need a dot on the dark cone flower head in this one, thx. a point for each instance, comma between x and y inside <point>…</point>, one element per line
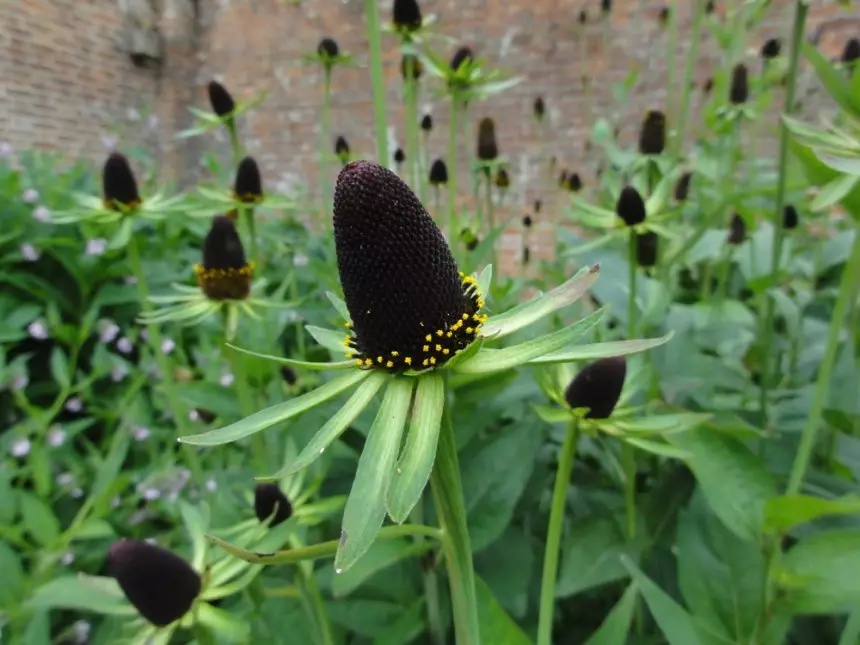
<point>606,6</point>
<point>527,221</point>
<point>438,173</point>
<point>399,156</point>
<point>289,375</point>
<point>652,137</point>
<point>328,48</point>
<point>737,230</point>
<point>161,585</point>
<point>503,180</point>
<point>663,16</point>
<point>851,52</point>
<point>410,307</point>
<point>221,100</point>
<point>598,387</point>
<point>630,206</point>
<point>740,91</point>
<point>248,187</point>
<point>427,123</point>
<point>406,15</point>
<point>269,500</point>
<point>341,149</point>
<point>646,249</point>
<point>682,188</point>
<point>118,184</point>
<point>710,7</point>
<point>224,274</point>
<point>461,56</point>
<point>539,108</point>
<point>583,17</point>
<point>416,70</point>
<point>790,218</point>
<point>771,49</point>
<point>574,183</point>
<point>488,149</point>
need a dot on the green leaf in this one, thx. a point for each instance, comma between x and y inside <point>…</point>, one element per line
<point>736,483</point>
<point>834,82</point>
<point>381,555</point>
<point>81,593</point>
<point>496,626</point>
<point>229,627</point>
<point>419,452</point>
<point>328,338</point>
<point>276,413</point>
<point>661,424</point>
<point>592,556</point>
<point>60,367</point>
<point>849,165</point>
<point>195,525</point>
<point>339,305</point>
<point>834,192</point>
<point>38,519</point>
<point>595,351</point>
<point>785,512</point>
<point>308,365</point>
<point>365,507</point>
<point>109,469</point>
<point>614,630</point>
<point>13,576</point>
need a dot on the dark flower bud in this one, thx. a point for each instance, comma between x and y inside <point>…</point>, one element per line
<point>270,501</point>
<point>221,100</point>
<point>472,243</point>
<point>427,123</point>
<point>527,221</point>
<point>503,181</point>
<point>851,52</point>
<point>399,156</point>
<point>537,205</point>
<point>461,56</point>
<point>740,91</point>
<point>410,307</point>
<point>606,6</point>
<point>248,186</point>
<point>630,206</point>
<point>682,188</point>
<point>646,249</point>
<point>438,173</point>
<point>328,48</point>
<point>737,230</point>
<point>663,16</point>
<point>341,149</point>
<point>118,183</point>
<point>583,17</point>
<point>161,585</point>
<point>488,149</point>
<point>288,375</point>
<point>771,48</point>
<point>412,63</point>
<point>598,387</point>
<point>708,86</point>
<point>539,108</point>
<point>574,183</point>
<point>562,179</point>
<point>225,274</point>
<point>710,7</point>
<point>406,15</point>
<point>527,255</point>
<point>652,136</point>
<point>790,218</point>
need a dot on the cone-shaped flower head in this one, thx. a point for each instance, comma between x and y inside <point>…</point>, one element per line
<point>740,91</point>
<point>790,218</point>
<point>341,149</point>
<point>527,221</point>
<point>328,48</point>
<point>406,15</point>
<point>224,274</point>
<point>118,184</point>
<point>598,387</point>
<point>411,64</point>
<point>427,123</point>
<point>630,206</point>
<point>503,180</point>
<point>771,48</point>
<point>438,173</point>
<point>652,136</point>
<point>606,6</point>
<point>410,307</point>
<point>851,51</point>
<point>161,585</point>
<point>461,56</point>
<point>737,230</point>
<point>248,186</point>
<point>663,16</point>
<point>710,7</point>
<point>574,182</point>
<point>399,156</point>
<point>488,149</point>
<point>289,375</point>
<point>269,500</point>
<point>646,249</point>
<point>682,188</point>
<point>221,100</point>
<point>583,17</point>
<point>539,108</point>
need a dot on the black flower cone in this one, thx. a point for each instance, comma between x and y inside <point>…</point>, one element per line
<point>710,7</point>
<point>503,180</point>
<point>406,15</point>
<point>527,221</point>
<point>224,274</point>
<point>539,108</point>
<point>399,156</point>
<point>598,387</point>
<point>248,186</point>
<point>574,182</point>
<point>410,306</point>
<point>646,249</point>
<point>427,123</point>
<point>268,500</point>
<point>652,136</point>
<point>341,149</point>
<point>771,49</point>
<point>583,17</point>
<point>663,16</point>
<point>438,173</point>
<point>118,184</point>
<point>416,68</point>
<point>851,52</point>
<point>461,57</point>
<point>606,6</point>
<point>630,206</point>
<point>737,230</point>
<point>289,375</point>
<point>682,188</point>
<point>220,99</point>
<point>488,149</point>
<point>161,585</point>
<point>328,48</point>
<point>740,91</point>
<point>790,218</point>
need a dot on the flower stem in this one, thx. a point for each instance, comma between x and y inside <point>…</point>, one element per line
<point>325,142</point>
<point>801,8</point>
<point>447,489</point>
<point>452,171</point>
<point>825,370</point>
<point>631,282</point>
<point>686,93</point>
<point>431,585</point>
<point>411,92</point>
<point>374,37</point>
<point>491,220</point>
<point>554,530</point>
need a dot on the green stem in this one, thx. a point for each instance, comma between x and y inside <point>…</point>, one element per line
<point>491,220</point>
<point>628,464</point>
<point>800,11</point>
<point>631,283</point>
<point>325,142</point>
<point>452,172</point>
<point>825,370</point>
<point>553,537</point>
<point>431,585</point>
<point>851,633</point>
<point>377,78</point>
<point>725,273</point>
<point>411,92</point>
<point>300,328</point>
<point>447,489</point>
<point>689,69</point>
<point>671,62</point>
<point>235,145</point>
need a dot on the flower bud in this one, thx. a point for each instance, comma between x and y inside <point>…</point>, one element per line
<point>630,206</point>
<point>598,387</point>
<point>269,500</point>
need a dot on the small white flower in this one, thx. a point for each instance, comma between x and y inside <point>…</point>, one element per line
<point>140,433</point>
<point>144,334</point>
<point>64,479</point>
<point>56,436</point>
<point>124,345</point>
<point>131,280</point>
<point>82,631</point>
<point>96,246</point>
<point>152,122</point>
<point>77,493</point>
<point>108,331</point>
<point>67,558</point>
<point>30,252</point>
<point>20,382</point>
<point>21,447</point>
<point>118,373</point>
<point>38,330</point>
<point>194,415</point>
<point>300,260</point>
<point>108,141</point>
<point>6,150</point>
<point>41,214</point>
<point>151,494</point>
<point>167,345</point>
<point>74,404</point>
<point>226,380</point>
<point>30,196</point>
<point>133,114</point>
<point>211,485</point>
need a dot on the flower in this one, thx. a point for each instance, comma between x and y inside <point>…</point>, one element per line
<point>461,57</point>
<point>682,188</point>
<point>119,187</point>
<point>248,186</point>
<point>118,373</point>
<point>663,16</point>
<point>399,156</point>
<point>29,252</point>
<point>502,181</point>
<point>411,67</point>
<point>161,585</point>
<point>652,136</point>
<point>226,379</point>
<point>328,48</point>
<point>30,196</point>
<point>406,15</point>
<point>38,330</point>
<point>851,52</point>
<point>438,173</point>
<point>739,91</point>
<point>108,331</point>
<point>427,123</point>
<point>220,99</point>
<point>527,254</point>
<point>67,558</point>
<point>606,6</point>
<point>737,230</point>
<point>124,345</point>
<point>527,221</point>
<point>630,206</point>
<point>771,48</point>
<point>224,274</point>
<point>21,447</point>
<point>41,214</point>
<point>56,436</point>
<point>74,404</point>
<point>790,218</point>
<point>537,206</point>
<point>539,108</point>
<point>341,149</point>
<point>597,387</point>
<point>573,183</point>
<point>646,248</point>
<point>140,433</point>
<point>583,17</point>
<point>270,502</point>
<point>96,246</point>
<point>488,149</point>
<point>168,345</point>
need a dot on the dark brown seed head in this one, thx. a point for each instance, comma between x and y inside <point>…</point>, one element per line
<point>118,184</point>
<point>399,156</point>
<point>472,243</point>
<point>539,108</point>
<point>663,16</point>
<point>851,52</point>
<point>488,149</point>
<point>740,91</point>
<point>224,274</point>
<point>737,230</point>
<point>161,585</point>
<point>682,188</point>
<point>461,56</point>
<point>248,186</point>
<point>574,182</point>
<point>427,123</point>
<point>583,17</point>
<point>652,136</point>
<point>790,218</point>
<point>646,249</point>
<point>288,375</point>
<point>410,306</point>
<point>527,221</point>
<point>606,6</point>
<point>598,387</point>
<point>771,48</point>
<point>270,501</point>
<point>503,181</point>
<point>221,100</point>
<point>438,173</point>
<point>630,206</point>
<point>411,67</point>
<point>341,149</point>
<point>328,48</point>
<point>710,7</point>
<point>406,15</point>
